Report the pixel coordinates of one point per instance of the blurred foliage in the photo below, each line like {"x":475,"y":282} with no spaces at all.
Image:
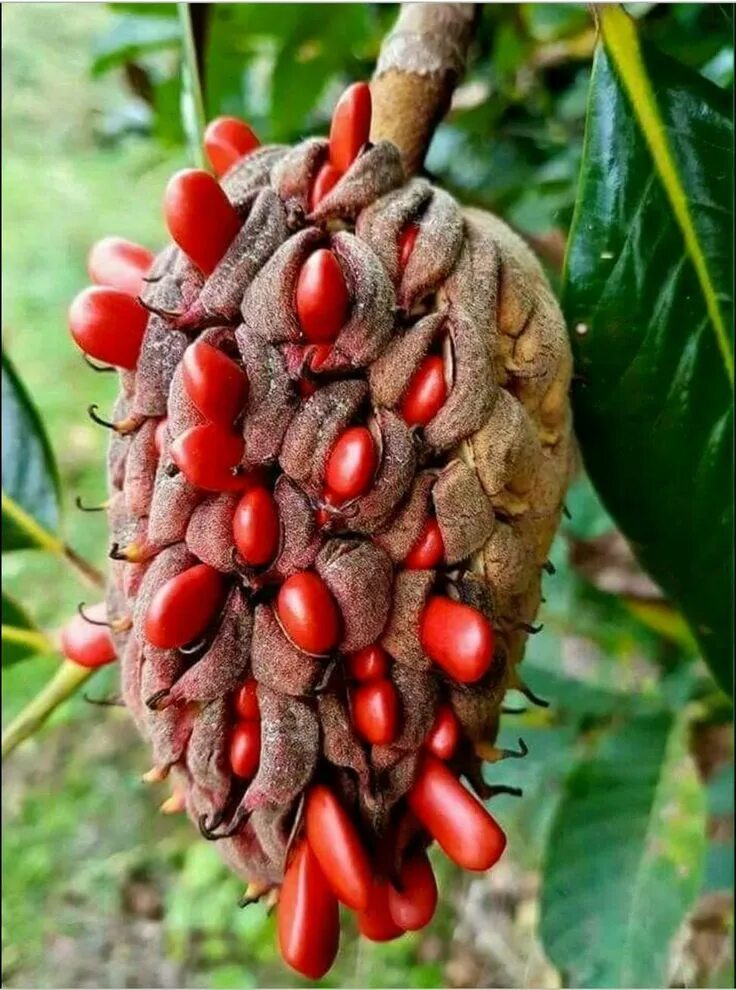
{"x":98,"y":890}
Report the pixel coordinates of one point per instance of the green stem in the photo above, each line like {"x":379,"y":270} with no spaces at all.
{"x":67,"y":680}
{"x":192,"y":104}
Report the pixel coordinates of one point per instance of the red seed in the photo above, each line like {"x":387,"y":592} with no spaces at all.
{"x":245,"y":749}
{"x":208,"y":456}
{"x":407,"y":239}
{"x":226,"y":141}
{"x":200,"y":217}
{"x":327,"y":177}
{"x":119,"y":264}
{"x":351,"y":464}
{"x":308,"y":916}
{"x":369,"y":664}
{"x":184,"y":606}
{"x":108,"y":325}
{"x":428,"y":552}
{"x":245,"y":701}
{"x":444,"y":736}
{"x":461,"y":825}
{"x":376,"y":712}
{"x":305,"y":387}
{"x":414,"y":905}
{"x":457,"y":637}
{"x":426,"y":393}
{"x":320,"y":354}
{"x":217,"y":386}
{"x":309,"y":613}
{"x":338,"y":847}
{"x":351,"y":125}
{"x":87,"y":644}
{"x":160,"y":436}
{"x":376,"y":923}
{"x":257,"y":527}
{"x":322,"y":298}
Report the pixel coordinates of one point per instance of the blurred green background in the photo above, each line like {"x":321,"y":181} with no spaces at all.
{"x":99,"y":889}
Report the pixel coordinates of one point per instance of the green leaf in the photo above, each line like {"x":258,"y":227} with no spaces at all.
{"x":649,"y":295}
{"x":30,"y":479}
{"x":625,"y":857}
{"x":20,"y":637}
{"x":132,"y":36}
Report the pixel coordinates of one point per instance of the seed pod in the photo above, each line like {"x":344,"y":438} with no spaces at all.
{"x":108,"y":325}
{"x":458,"y":638}
{"x":184,"y":606}
{"x":199,"y":217}
{"x":226,"y":141}
{"x":444,"y":736}
{"x":322,"y":298}
{"x":214,"y":383}
{"x":335,"y":842}
{"x":351,"y":125}
{"x":245,"y":749}
{"x":461,"y":825}
{"x":119,"y":264}
{"x":369,"y":664}
{"x":256,"y":527}
{"x":309,"y":613}
{"x":87,"y":644}
{"x":426,"y":393}
{"x":376,"y":923}
{"x":413,"y":904}
{"x":308,"y":918}
{"x":209,"y":456}
{"x":428,"y":551}
{"x":351,"y":464}
{"x":376,"y":712}
{"x":246,"y":701}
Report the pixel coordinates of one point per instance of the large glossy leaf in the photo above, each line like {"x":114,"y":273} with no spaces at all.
{"x":20,"y":637}
{"x":30,"y":482}
{"x":649,"y":297}
{"x":625,"y":857}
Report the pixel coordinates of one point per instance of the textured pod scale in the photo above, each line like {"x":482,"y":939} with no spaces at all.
{"x":489,"y":468}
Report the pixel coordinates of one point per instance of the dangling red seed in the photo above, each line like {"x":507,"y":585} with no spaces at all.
{"x":444,"y":736}
{"x":369,"y":664}
{"x":159,"y":437}
{"x":320,"y":354}
{"x":407,"y":238}
{"x":226,"y":141}
{"x":108,"y":325}
{"x":257,"y":527}
{"x":208,"y":456}
{"x":413,"y":906}
{"x":184,"y":606}
{"x":322,"y":298}
{"x":467,"y":833}
{"x":457,"y":637}
{"x":322,"y":516}
{"x":87,"y":644}
{"x":351,"y":125}
{"x":309,"y":613}
{"x":351,"y":464}
{"x":376,"y":923}
{"x":426,"y":393}
{"x":325,"y":180}
{"x":308,"y":919}
{"x":119,"y":264}
{"x":200,"y":217}
{"x":375,"y":708}
{"x":245,"y":701}
{"x":245,"y":749}
{"x":428,"y":552}
{"x":217,"y":386}
{"x":338,"y":847}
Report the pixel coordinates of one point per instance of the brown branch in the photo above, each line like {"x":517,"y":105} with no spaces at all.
{"x":420,"y":63}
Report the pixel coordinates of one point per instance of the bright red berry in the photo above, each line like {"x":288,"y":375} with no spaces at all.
{"x":217,"y":386}
{"x":426,"y":393}
{"x":245,"y":749}
{"x":308,"y":920}
{"x":351,"y":464}
{"x":375,"y":709}
{"x":369,"y":664}
{"x":322,"y":298}
{"x":309,"y":613}
{"x":87,"y":644}
{"x":226,"y":141}
{"x":108,"y":325}
{"x":184,"y":606}
{"x":413,"y":905}
{"x":351,"y":125}
{"x":209,"y":456}
{"x":245,"y":701}
{"x":428,"y":551}
{"x":257,"y":527}
{"x":119,"y":264}
{"x":338,"y":847}
{"x":327,"y":177}
{"x":444,"y":736}
{"x":457,"y":637}
{"x":407,"y":239}
{"x":200,"y":217}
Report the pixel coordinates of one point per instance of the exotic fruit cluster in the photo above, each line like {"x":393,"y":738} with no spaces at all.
{"x":337,"y":462}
